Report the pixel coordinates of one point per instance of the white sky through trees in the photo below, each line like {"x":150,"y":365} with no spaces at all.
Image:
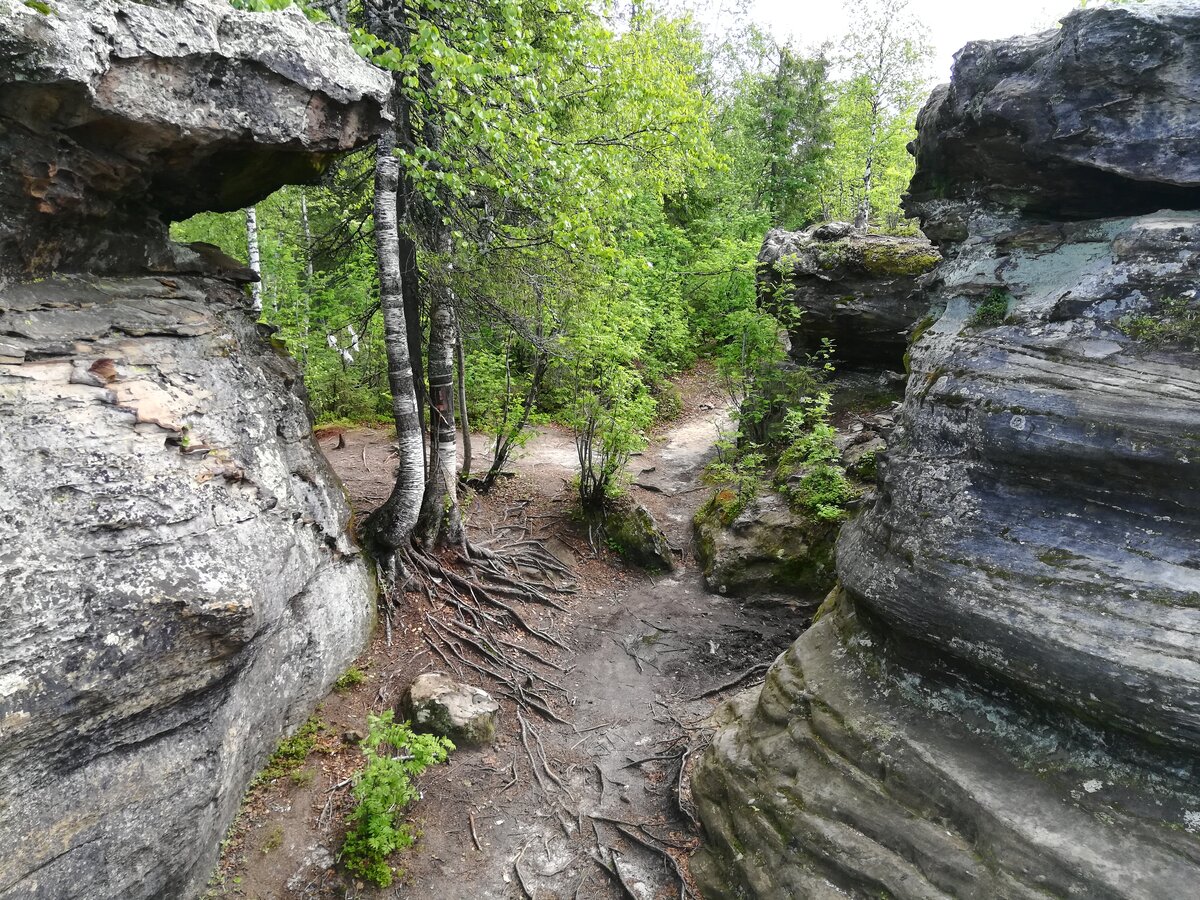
{"x":949,"y":23}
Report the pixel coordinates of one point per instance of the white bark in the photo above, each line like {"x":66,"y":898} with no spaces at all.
{"x":392,"y":523}
{"x":252,"y":253}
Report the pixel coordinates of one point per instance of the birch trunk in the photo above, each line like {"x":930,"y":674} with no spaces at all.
{"x":391,"y":525}
{"x":463,"y":421}
{"x":441,"y":522}
{"x":252,"y":254}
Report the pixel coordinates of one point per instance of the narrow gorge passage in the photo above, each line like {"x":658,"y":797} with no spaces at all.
{"x":642,"y":647}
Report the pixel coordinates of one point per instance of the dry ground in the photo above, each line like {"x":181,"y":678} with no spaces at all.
{"x":583,"y":809}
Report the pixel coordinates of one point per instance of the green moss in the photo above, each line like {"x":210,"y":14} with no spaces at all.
{"x":1173,"y":323}
{"x":44,"y":8}
{"x":352,"y":677}
{"x":896,"y":258}
{"x":1058,"y":558}
{"x":292,"y":751}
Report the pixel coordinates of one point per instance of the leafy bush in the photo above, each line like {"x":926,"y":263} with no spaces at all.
{"x":822,"y":488}
{"x":991,"y":311}
{"x":737,"y":471}
{"x":1175,"y":323}
{"x":384,"y":789}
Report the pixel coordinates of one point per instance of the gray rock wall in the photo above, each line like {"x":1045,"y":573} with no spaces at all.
{"x":179,"y":587}
{"x":860,"y":291}
{"x":1003,"y":700}
{"x":177,"y":581}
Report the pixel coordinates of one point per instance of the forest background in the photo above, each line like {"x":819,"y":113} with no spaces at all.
{"x":581,"y":194}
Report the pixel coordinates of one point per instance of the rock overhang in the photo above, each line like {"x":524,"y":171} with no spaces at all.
{"x":118,"y":117}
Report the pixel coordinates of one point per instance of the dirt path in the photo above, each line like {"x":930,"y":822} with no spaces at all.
{"x":641,"y":649}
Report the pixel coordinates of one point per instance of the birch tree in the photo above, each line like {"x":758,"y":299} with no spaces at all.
{"x":391,"y":526}
{"x":254,"y":258}
{"x":884,"y":65}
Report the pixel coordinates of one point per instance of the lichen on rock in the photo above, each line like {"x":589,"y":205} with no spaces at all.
{"x":1005,"y":701}
{"x":179,"y":582}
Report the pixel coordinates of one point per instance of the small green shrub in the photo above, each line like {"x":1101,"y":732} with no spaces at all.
{"x":384,"y":789}
{"x":292,"y":751}
{"x":352,"y":677}
{"x":737,"y":471}
{"x":991,"y":311}
{"x":1175,"y":323}
{"x":811,"y":453}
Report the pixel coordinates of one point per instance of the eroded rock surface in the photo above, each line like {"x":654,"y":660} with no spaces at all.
{"x":437,"y":704}
{"x":118,"y":117}
{"x":179,"y":586}
{"x":858,"y":290}
{"x":1006,"y":701}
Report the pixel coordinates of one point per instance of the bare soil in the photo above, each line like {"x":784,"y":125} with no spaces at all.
{"x":594,"y":808}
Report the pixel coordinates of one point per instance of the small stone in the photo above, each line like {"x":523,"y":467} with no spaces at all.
{"x":437,"y":704}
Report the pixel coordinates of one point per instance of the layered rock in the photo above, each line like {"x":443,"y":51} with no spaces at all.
{"x":1006,"y":701}
{"x":179,"y":584}
{"x":859,"y":291}
{"x":767,"y":553}
{"x":116,"y":118}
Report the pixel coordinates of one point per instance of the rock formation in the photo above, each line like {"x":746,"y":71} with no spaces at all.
{"x":1003,"y":699}
{"x":857,"y":290}
{"x":178,"y":582}
{"x":437,"y":704}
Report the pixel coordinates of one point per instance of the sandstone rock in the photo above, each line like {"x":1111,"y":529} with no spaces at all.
{"x":1006,"y":702}
{"x":1095,"y":119}
{"x":632,"y":531}
{"x":850,"y":775}
{"x":437,"y":704}
{"x":858,"y":290}
{"x":117,"y":117}
{"x":767,"y":553}
{"x":179,"y":584}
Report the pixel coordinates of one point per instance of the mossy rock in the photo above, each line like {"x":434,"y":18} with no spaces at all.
{"x":899,"y":256}
{"x":630,"y":530}
{"x":768,"y":553}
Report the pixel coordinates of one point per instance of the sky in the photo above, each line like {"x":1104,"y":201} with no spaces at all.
{"x":950,"y":23}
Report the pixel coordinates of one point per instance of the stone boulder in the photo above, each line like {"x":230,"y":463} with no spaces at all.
{"x":858,"y":290}
{"x":116,"y":118}
{"x":631,"y":529}
{"x":437,"y":704}
{"x":767,"y":553}
{"x":1005,"y":699}
{"x":180,"y":588}
{"x":1094,"y":119}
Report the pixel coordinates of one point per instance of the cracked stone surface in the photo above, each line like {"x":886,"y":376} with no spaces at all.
{"x":179,"y":585}
{"x":1003,"y":699}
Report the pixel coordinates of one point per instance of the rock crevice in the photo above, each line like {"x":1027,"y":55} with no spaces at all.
{"x":1003,"y":700}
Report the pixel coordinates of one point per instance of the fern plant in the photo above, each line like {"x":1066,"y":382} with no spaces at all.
{"x":384,"y":789}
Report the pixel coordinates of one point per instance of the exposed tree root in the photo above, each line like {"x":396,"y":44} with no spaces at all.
{"x":475,"y":594}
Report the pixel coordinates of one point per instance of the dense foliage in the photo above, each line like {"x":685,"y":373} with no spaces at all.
{"x":592,"y":192}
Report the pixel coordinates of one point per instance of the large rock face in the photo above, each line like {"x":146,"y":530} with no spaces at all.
{"x":178,"y":582}
{"x":1006,"y":700}
{"x":117,"y":117}
{"x":857,"y":290}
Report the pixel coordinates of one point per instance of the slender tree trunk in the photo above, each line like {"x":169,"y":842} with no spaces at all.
{"x":306,"y":308}
{"x":391,"y":525}
{"x":863,"y":218}
{"x":463,"y":420}
{"x":440,"y":521}
{"x":252,"y":254}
